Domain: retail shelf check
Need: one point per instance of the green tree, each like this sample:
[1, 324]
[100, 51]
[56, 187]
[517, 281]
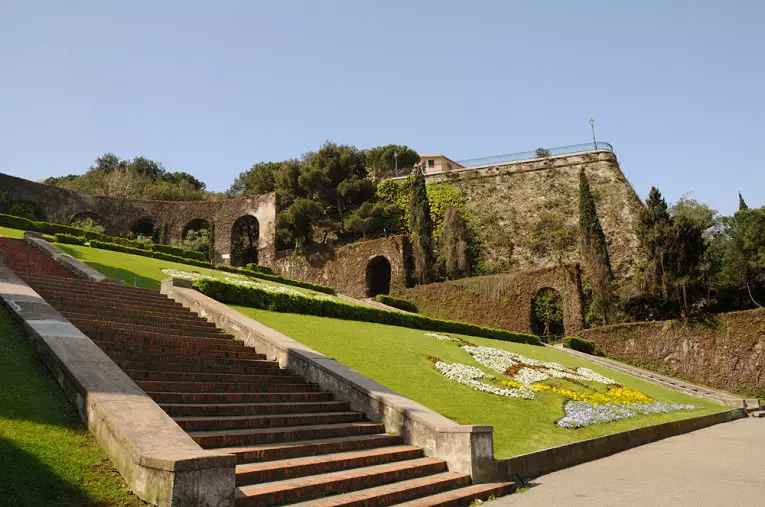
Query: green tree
[383, 160]
[258, 180]
[654, 229]
[741, 204]
[547, 313]
[421, 229]
[457, 244]
[198, 240]
[744, 260]
[543, 153]
[295, 226]
[594, 250]
[701, 215]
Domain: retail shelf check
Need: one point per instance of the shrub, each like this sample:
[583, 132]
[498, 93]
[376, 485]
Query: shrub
[69, 239]
[149, 253]
[260, 269]
[402, 304]
[129, 242]
[179, 252]
[579, 344]
[290, 303]
[25, 224]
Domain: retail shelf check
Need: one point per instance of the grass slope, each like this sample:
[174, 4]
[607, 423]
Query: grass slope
[48, 457]
[146, 271]
[397, 358]
[11, 233]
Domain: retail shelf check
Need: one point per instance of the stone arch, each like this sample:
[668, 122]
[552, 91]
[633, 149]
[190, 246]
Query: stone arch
[84, 215]
[245, 234]
[145, 226]
[195, 225]
[378, 273]
[547, 313]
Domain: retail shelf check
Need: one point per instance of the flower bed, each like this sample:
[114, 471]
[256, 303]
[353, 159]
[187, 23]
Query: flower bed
[522, 377]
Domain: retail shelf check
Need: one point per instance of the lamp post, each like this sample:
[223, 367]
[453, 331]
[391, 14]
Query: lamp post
[594, 142]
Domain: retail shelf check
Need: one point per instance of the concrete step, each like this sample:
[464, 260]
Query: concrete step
[80, 286]
[231, 366]
[197, 342]
[295, 386]
[23, 258]
[101, 298]
[254, 473]
[216, 423]
[140, 349]
[148, 330]
[223, 409]
[119, 353]
[288, 450]
[227, 438]
[757, 413]
[317, 486]
[242, 397]
[190, 323]
[75, 303]
[463, 496]
[278, 376]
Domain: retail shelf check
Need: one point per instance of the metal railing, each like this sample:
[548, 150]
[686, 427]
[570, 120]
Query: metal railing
[531, 155]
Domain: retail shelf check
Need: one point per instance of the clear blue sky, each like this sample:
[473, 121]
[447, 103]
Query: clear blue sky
[212, 87]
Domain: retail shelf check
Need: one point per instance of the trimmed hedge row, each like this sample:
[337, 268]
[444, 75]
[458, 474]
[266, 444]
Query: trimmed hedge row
[25, 224]
[265, 273]
[579, 344]
[400, 303]
[260, 269]
[69, 239]
[289, 303]
[179, 252]
[149, 253]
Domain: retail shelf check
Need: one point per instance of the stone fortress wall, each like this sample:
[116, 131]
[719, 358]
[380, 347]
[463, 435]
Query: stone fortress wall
[118, 215]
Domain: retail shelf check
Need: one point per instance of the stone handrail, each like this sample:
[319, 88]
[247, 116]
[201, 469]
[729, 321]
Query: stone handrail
[80, 269]
[156, 458]
[466, 449]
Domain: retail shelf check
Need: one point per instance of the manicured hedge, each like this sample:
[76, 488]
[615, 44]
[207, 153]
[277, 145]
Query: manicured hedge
[179, 252]
[278, 302]
[149, 253]
[70, 239]
[260, 269]
[574, 343]
[402, 304]
[25, 224]
[265, 274]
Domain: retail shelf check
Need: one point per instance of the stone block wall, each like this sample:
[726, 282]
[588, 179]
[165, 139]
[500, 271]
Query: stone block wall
[725, 351]
[500, 301]
[345, 268]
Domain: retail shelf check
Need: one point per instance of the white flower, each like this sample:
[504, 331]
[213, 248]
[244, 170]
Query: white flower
[469, 376]
[442, 337]
[186, 275]
[533, 370]
[580, 414]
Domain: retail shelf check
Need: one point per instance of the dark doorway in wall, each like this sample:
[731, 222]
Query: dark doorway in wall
[145, 227]
[378, 276]
[244, 241]
[547, 314]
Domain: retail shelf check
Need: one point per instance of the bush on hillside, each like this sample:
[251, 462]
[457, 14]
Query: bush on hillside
[579, 344]
[260, 269]
[69, 239]
[291, 303]
[402, 304]
[149, 253]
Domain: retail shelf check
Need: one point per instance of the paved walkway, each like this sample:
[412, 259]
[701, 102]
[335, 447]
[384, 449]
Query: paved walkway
[723, 465]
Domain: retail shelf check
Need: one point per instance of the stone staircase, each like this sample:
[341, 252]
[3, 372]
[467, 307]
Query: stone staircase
[294, 443]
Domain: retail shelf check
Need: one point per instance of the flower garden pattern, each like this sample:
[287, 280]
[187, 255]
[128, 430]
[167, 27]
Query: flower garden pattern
[584, 405]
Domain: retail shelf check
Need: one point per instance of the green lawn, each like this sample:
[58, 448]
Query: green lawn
[397, 358]
[47, 456]
[11, 233]
[146, 271]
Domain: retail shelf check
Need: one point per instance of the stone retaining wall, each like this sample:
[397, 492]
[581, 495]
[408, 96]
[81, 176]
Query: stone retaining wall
[725, 351]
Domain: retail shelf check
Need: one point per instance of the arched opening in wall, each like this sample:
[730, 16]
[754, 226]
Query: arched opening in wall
[244, 241]
[144, 228]
[378, 276]
[197, 235]
[547, 314]
[88, 221]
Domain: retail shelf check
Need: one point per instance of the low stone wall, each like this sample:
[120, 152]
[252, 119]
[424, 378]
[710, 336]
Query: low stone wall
[725, 351]
[501, 301]
[156, 458]
[466, 449]
[78, 268]
[345, 268]
[545, 461]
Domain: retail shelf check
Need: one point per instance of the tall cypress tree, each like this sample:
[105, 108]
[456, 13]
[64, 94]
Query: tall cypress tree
[594, 250]
[741, 204]
[421, 229]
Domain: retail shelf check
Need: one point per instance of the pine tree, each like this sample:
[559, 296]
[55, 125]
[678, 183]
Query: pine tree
[421, 229]
[741, 204]
[594, 250]
[163, 236]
